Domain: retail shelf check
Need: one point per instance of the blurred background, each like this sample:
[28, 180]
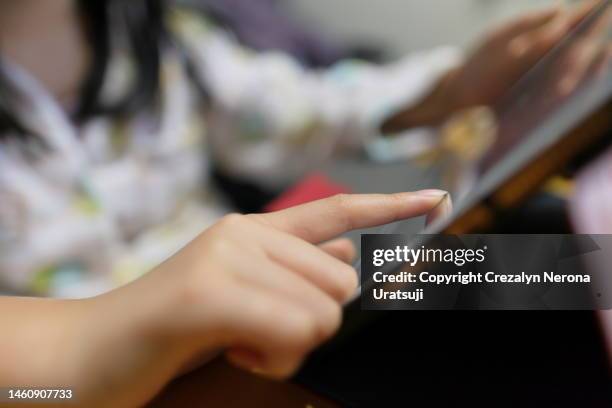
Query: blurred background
[401, 26]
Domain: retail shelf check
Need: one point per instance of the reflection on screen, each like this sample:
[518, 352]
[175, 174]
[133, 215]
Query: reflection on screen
[579, 64]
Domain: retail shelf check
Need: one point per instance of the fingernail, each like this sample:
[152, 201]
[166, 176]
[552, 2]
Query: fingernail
[443, 209]
[567, 86]
[445, 206]
[432, 193]
[447, 202]
[257, 371]
[247, 360]
[519, 46]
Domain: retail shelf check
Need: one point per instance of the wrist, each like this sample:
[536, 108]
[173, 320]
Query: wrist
[121, 360]
[165, 316]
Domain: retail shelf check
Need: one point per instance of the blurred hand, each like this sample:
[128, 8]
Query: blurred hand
[500, 60]
[261, 288]
[508, 53]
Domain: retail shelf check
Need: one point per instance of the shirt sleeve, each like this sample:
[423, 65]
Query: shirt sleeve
[268, 112]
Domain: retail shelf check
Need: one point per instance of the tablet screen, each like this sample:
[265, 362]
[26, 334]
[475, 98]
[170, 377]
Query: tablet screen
[571, 82]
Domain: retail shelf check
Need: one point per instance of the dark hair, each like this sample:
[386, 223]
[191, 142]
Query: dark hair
[8, 96]
[145, 36]
[146, 33]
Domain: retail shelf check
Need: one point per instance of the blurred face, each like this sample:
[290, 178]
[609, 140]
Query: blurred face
[32, 6]
[46, 38]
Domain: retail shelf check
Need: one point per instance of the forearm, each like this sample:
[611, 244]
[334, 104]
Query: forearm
[95, 347]
[37, 337]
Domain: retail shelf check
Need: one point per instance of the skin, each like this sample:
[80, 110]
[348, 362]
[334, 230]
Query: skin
[41, 36]
[263, 289]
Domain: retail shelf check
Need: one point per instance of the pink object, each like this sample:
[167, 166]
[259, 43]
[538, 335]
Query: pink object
[591, 213]
[314, 187]
[591, 206]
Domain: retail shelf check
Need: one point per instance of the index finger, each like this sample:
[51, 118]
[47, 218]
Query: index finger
[527, 22]
[326, 219]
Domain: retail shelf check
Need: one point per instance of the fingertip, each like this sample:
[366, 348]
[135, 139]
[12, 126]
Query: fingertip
[440, 211]
[553, 10]
[341, 248]
[430, 193]
[566, 86]
[350, 251]
[448, 204]
[423, 202]
[246, 360]
[535, 19]
[350, 286]
[519, 46]
[583, 10]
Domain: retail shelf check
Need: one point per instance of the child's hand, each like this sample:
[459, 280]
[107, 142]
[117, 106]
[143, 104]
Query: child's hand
[256, 287]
